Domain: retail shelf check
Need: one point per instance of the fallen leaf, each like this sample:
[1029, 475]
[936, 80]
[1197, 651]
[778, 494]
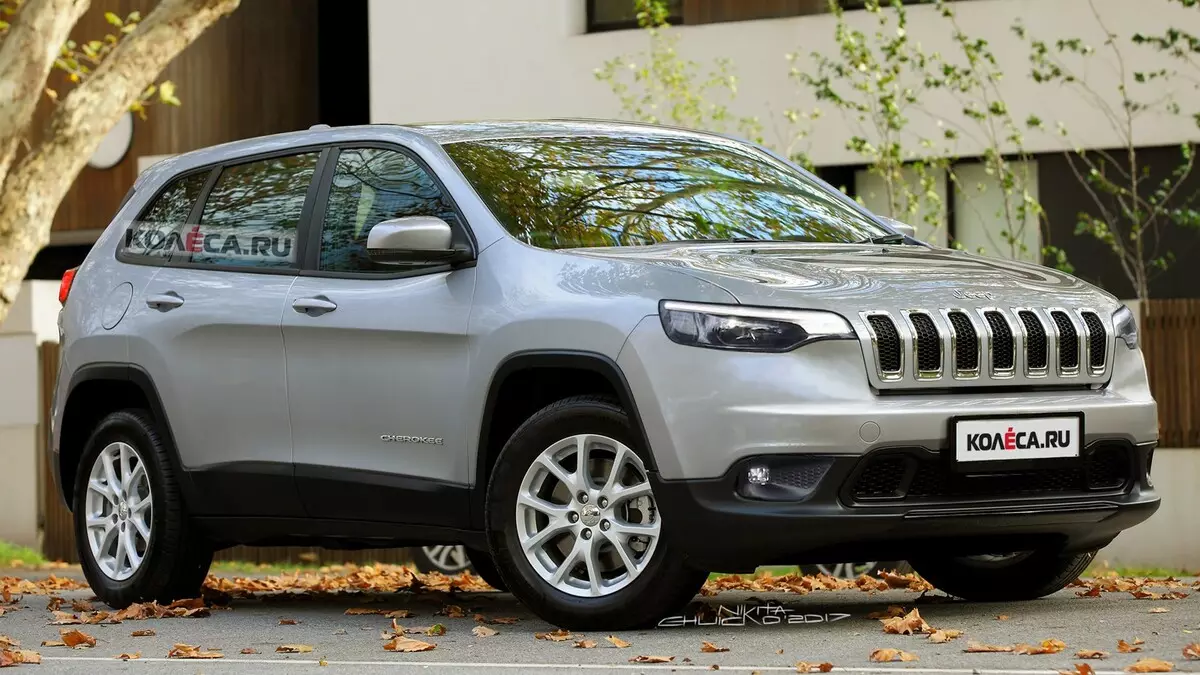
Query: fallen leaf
[182, 651]
[65, 619]
[1126, 648]
[1093, 592]
[8, 643]
[1002, 617]
[1080, 669]
[483, 631]
[53, 643]
[293, 649]
[399, 614]
[710, 648]
[559, 635]
[435, 629]
[453, 611]
[506, 620]
[81, 606]
[249, 650]
[1192, 651]
[54, 603]
[979, 648]
[94, 618]
[340, 631]
[1091, 654]
[885, 655]
[803, 667]
[288, 622]
[778, 651]
[652, 659]
[127, 656]
[906, 625]
[322, 662]
[1051, 646]
[585, 644]
[6, 659]
[78, 639]
[15, 657]
[403, 644]
[617, 642]
[1149, 665]
[941, 635]
[145, 632]
[892, 612]
[1158, 610]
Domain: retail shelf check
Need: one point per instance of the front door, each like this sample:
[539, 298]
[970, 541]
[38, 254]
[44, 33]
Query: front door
[208, 327]
[377, 356]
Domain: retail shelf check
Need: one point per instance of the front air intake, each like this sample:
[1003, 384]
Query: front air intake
[1003, 345]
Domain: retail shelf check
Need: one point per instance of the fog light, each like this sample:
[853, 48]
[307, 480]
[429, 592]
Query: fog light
[758, 475]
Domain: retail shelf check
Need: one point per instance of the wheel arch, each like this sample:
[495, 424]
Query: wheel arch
[96, 390]
[541, 376]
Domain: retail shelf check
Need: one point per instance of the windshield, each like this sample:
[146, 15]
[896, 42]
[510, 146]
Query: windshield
[629, 190]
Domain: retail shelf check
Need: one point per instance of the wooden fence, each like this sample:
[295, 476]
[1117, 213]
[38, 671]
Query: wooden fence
[1170, 336]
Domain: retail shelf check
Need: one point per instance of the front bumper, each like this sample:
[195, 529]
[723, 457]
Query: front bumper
[840, 518]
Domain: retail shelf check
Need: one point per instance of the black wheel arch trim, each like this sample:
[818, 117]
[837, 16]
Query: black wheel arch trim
[125, 372]
[594, 362]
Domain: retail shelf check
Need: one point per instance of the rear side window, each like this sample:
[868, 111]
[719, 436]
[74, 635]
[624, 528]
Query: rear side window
[251, 215]
[161, 230]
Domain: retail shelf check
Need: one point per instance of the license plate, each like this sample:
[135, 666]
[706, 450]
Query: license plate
[1017, 438]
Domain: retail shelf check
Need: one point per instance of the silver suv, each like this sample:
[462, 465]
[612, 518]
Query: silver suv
[605, 358]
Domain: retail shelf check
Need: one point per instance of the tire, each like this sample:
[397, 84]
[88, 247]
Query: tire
[1019, 576]
[174, 558]
[852, 570]
[659, 583]
[481, 562]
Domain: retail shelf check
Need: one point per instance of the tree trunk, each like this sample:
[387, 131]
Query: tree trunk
[37, 183]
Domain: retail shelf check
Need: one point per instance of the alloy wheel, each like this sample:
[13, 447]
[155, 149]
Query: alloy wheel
[448, 559]
[586, 517]
[119, 511]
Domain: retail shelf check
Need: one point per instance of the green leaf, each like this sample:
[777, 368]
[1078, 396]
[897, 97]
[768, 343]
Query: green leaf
[166, 93]
[113, 19]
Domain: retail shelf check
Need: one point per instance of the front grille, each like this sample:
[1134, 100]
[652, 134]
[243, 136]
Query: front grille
[1003, 353]
[966, 343]
[887, 343]
[929, 344]
[1035, 340]
[893, 476]
[1068, 341]
[1097, 340]
[1009, 336]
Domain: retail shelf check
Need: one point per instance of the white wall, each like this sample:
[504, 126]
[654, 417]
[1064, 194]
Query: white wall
[468, 59]
[1165, 540]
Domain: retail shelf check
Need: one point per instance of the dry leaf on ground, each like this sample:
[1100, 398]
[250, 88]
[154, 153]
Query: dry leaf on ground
[8, 643]
[1126, 648]
[249, 650]
[617, 642]
[710, 648]
[82, 606]
[288, 622]
[892, 612]
[652, 659]
[941, 635]
[453, 611]
[1051, 646]
[360, 611]
[559, 635]
[182, 651]
[78, 639]
[403, 644]
[145, 632]
[980, 648]
[886, 655]
[906, 625]
[1192, 651]
[1150, 665]
[54, 603]
[483, 631]
[1091, 654]
[125, 656]
[1080, 669]
[803, 667]
[585, 644]
[16, 657]
[65, 619]
[1159, 610]
[293, 649]
[495, 620]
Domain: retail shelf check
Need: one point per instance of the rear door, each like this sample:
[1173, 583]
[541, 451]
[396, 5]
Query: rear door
[210, 335]
[377, 354]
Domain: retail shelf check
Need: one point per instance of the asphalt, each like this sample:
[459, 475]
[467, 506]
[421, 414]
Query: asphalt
[818, 627]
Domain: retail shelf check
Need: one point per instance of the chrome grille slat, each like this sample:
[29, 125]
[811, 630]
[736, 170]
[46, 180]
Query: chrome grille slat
[969, 347]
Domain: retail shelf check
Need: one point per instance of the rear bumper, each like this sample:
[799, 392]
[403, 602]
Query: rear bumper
[718, 529]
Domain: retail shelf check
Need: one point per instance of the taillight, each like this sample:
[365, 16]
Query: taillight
[64, 288]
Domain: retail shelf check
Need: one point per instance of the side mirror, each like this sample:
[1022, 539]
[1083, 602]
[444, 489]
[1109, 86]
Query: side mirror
[412, 239]
[903, 228]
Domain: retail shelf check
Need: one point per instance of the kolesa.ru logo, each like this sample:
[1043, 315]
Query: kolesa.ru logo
[1019, 440]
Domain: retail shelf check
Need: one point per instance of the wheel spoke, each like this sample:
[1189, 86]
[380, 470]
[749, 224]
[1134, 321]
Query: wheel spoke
[131, 555]
[556, 527]
[125, 469]
[635, 529]
[614, 473]
[97, 522]
[583, 467]
[542, 506]
[556, 470]
[110, 475]
[143, 528]
[591, 558]
[624, 494]
[136, 478]
[95, 485]
[568, 562]
[630, 566]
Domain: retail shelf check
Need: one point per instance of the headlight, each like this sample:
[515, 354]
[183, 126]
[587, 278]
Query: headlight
[1125, 325]
[751, 329]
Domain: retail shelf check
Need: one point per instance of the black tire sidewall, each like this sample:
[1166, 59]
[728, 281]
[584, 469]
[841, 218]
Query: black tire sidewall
[634, 603]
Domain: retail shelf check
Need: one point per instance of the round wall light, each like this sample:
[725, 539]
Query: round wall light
[114, 145]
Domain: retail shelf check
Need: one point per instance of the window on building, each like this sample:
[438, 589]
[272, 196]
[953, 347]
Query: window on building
[370, 186]
[603, 15]
[250, 217]
[606, 15]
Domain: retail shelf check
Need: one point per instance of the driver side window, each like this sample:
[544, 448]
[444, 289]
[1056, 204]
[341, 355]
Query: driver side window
[371, 185]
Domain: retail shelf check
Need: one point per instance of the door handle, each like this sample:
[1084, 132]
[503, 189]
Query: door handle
[164, 302]
[314, 306]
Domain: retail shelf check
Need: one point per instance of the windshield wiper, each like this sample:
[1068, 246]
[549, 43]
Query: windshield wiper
[896, 238]
[727, 240]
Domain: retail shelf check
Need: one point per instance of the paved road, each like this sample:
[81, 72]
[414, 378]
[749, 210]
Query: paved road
[831, 626]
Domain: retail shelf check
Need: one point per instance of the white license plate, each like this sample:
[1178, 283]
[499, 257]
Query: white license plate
[1018, 438]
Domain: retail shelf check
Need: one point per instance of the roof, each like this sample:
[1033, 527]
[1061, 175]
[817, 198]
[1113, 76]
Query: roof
[457, 132]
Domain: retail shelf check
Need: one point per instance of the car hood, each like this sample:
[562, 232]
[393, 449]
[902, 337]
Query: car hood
[851, 277]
